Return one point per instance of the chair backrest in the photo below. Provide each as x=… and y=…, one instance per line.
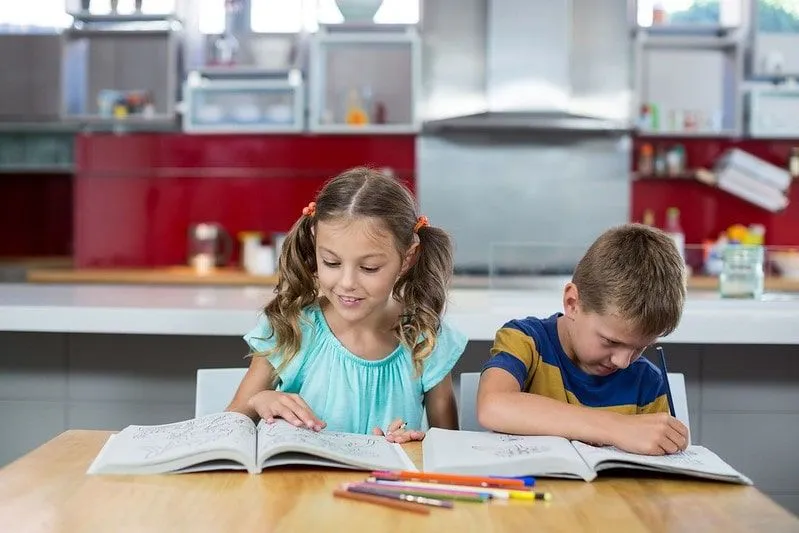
x=215, y=389
x=468, y=400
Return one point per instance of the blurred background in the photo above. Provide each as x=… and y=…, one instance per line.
x=164, y=133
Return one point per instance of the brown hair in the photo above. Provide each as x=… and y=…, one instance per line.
x=422, y=289
x=638, y=271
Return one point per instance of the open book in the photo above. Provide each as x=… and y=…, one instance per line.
x=495, y=454
x=231, y=441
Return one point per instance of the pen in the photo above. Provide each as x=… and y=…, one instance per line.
x=380, y=500
x=453, y=479
x=666, y=378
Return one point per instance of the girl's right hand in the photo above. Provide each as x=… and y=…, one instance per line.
x=290, y=407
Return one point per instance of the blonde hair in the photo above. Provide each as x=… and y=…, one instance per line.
x=638, y=271
x=422, y=289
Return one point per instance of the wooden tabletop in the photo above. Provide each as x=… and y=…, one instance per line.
x=48, y=490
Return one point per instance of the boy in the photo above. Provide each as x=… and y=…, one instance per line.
x=579, y=374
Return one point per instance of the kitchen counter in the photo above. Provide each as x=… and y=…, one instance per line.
x=177, y=275
x=231, y=276
x=478, y=312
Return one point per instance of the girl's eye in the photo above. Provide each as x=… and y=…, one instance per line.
x=330, y=264
x=370, y=270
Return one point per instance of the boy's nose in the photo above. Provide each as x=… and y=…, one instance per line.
x=621, y=359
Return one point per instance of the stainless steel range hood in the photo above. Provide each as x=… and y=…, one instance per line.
x=553, y=65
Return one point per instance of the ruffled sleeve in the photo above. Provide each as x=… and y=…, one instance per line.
x=260, y=339
x=450, y=344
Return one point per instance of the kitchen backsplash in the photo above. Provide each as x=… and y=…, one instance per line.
x=705, y=211
x=136, y=195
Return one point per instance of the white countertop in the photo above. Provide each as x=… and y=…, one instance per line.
x=233, y=311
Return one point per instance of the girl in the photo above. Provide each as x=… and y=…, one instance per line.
x=354, y=340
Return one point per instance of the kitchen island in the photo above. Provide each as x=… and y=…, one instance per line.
x=105, y=356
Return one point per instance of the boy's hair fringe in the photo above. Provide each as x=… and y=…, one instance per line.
x=636, y=271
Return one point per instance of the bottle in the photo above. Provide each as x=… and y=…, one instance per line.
x=793, y=163
x=658, y=14
x=674, y=229
x=646, y=165
x=356, y=115
x=648, y=218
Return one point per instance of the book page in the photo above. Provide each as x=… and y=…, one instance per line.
x=367, y=452
x=215, y=436
x=694, y=460
x=497, y=454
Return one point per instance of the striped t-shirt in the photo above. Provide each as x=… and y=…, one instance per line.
x=530, y=350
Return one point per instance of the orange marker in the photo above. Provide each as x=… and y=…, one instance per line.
x=452, y=479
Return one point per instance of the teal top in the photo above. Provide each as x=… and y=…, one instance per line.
x=348, y=392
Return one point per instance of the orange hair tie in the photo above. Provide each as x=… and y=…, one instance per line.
x=421, y=222
x=310, y=210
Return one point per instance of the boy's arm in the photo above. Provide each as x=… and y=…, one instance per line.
x=501, y=406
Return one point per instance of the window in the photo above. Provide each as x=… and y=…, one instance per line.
x=778, y=16
x=291, y=16
x=283, y=16
x=211, y=16
x=41, y=14
x=727, y=13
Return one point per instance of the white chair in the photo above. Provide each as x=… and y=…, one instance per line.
x=215, y=389
x=468, y=400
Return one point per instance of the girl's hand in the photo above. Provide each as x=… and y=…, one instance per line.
x=397, y=433
x=290, y=407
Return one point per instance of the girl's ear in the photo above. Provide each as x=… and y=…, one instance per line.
x=410, y=258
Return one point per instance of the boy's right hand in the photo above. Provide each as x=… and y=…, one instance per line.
x=290, y=407
x=650, y=434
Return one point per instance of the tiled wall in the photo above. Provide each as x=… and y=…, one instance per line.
x=747, y=413
x=136, y=195
x=705, y=211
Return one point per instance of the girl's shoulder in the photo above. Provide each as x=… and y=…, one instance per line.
x=261, y=338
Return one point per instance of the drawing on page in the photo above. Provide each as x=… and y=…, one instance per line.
x=190, y=433
x=517, y=448
x=683, y=458
x=338, y=443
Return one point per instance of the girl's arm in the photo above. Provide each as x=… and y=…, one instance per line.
x=257, y=379
x=442, y=410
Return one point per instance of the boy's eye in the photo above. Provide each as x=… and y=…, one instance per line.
x=608, y=342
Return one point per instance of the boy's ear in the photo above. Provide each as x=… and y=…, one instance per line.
x=571, y=301
x=410, y=258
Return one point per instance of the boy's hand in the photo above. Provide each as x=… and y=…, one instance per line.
x=652, y=434
x=397, y=433
x=290, y=407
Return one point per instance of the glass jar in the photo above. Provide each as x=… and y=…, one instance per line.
x=742, y=271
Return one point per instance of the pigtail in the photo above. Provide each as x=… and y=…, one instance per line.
x=296, y=289
x=423, y=290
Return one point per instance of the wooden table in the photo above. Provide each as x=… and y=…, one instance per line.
x=47, y=490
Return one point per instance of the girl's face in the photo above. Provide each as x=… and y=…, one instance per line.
x=357, y=265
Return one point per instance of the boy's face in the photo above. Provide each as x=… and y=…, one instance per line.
x=600, y=344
